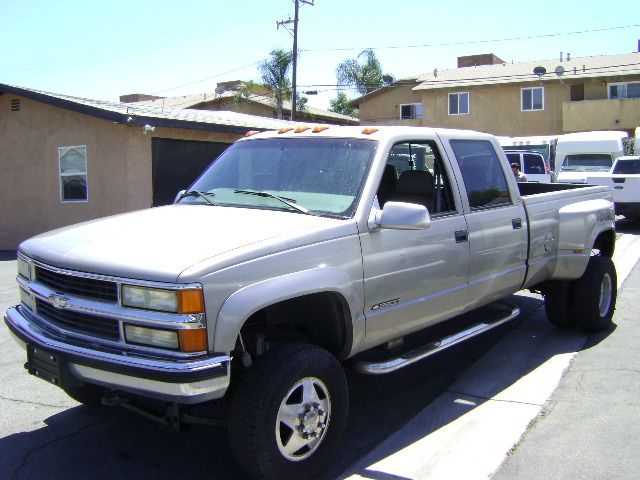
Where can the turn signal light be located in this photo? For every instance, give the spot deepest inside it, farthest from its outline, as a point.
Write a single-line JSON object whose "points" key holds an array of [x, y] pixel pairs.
{"points": [[193, 340], [190, 301]]}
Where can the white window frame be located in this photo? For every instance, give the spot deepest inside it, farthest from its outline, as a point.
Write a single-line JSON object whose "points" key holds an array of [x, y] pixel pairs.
{"points": [[416, 116], [458, 94], [61, 152], [616, 84], [532, 109]]}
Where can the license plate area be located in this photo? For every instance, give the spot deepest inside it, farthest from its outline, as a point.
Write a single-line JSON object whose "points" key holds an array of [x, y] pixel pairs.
{"points": [[49, 366]]}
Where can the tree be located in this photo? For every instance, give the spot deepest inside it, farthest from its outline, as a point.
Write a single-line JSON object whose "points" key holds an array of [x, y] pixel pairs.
{"points": [[363, 73], [275, 75], [340, 104]]}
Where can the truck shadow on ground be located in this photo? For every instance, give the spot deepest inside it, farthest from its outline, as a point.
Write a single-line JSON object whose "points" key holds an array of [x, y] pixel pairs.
{"points": [[112, 443]]}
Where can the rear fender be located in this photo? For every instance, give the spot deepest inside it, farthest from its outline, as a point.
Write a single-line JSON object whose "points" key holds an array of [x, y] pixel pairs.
{"points": [[581, 224]]}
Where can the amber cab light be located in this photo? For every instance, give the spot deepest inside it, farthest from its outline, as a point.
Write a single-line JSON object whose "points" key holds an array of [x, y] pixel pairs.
{"points": [[369, 131], [319, 129], [301, 129], [285, 129], [251, 132]]}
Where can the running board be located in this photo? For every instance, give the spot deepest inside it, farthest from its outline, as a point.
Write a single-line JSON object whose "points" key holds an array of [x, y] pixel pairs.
{"points": [[509, 312]]}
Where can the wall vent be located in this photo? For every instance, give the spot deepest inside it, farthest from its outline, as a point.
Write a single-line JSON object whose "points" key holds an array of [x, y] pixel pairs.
{"points": [[15, 104]]}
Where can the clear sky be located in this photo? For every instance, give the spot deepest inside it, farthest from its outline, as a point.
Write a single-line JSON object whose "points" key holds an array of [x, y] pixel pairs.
{"points": [[105, 49]]}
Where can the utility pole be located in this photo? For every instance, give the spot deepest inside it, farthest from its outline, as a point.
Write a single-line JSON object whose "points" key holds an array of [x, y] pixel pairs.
{"points": [[295, 50]]}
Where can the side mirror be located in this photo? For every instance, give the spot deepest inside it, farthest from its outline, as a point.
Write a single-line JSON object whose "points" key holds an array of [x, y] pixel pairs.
{"points": [[180, 193], [400, 216]]}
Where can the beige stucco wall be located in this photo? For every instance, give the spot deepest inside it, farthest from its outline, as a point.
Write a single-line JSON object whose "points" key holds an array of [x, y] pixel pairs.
{"points": [[497, 109], [118, 167], [384, 108], [601, 115]]}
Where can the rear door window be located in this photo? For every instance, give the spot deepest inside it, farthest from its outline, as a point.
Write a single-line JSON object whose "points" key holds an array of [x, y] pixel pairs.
{"points": [[482, 173]]}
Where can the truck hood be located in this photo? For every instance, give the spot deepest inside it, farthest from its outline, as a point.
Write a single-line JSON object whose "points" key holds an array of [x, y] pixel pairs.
{"points": [[160, 243]]}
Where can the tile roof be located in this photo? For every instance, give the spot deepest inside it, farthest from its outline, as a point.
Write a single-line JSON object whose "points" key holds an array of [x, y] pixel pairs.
{"points": [[141, 114], [576, 68], [188, 101]]}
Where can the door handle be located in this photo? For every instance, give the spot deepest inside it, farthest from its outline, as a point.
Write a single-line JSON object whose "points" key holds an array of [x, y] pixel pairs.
{"points": [[462, 236], [516, 223]]}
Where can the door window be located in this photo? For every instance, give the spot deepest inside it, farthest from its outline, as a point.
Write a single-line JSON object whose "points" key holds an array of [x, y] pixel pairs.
{"points": [[415, 173], [482, 173]]}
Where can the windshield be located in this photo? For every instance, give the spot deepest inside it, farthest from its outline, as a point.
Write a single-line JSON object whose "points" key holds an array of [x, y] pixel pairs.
{"points": [[627, 166], [304, 175], [587, 162]]}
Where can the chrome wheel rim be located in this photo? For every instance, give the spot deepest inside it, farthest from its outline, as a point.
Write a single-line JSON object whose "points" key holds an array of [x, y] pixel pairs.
{"points": [[303, 419], [606, 287]]}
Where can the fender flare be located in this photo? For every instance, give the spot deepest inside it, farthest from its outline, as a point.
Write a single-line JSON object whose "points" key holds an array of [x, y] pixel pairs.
{"points": [[243, 303]]}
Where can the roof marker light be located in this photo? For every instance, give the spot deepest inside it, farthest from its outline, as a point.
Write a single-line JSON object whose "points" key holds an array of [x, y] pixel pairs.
{"points": [[301, 129], [369, 131], [285, 129], [319, 129], [251, 132]]}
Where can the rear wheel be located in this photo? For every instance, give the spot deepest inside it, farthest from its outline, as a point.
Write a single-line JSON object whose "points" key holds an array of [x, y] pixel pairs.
{"points": [[595, 295], [558, 304], [289, 412]]}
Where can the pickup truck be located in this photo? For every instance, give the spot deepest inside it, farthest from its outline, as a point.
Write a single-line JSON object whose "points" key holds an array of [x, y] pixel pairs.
{"points": [[295, 251], [624, 182]]}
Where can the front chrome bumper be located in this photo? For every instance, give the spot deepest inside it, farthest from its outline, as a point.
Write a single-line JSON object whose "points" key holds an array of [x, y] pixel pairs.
{"points": [[186, 381]]}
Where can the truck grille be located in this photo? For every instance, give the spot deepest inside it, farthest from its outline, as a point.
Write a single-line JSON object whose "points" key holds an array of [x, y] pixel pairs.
{"points": [[81, 286], [79, 322]]}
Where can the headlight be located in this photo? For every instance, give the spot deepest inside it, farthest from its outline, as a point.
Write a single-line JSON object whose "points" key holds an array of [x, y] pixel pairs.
{"points": [[187, 340], [175, 301], [24, 269]]}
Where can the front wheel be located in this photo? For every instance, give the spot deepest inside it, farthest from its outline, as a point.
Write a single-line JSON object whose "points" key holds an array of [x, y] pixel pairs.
{"points": [[595, 295], [288, 414]]}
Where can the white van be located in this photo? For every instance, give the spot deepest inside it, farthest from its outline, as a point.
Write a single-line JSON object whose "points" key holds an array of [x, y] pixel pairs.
{"points": [[579, 155], [532, 164]]}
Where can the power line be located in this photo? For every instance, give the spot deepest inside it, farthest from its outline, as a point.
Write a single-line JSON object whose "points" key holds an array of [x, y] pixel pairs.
{"points": [[470, 42]]}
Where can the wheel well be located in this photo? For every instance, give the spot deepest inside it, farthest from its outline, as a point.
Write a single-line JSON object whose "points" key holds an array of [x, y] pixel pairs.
{"points": [[321, 319], [605, 243]]}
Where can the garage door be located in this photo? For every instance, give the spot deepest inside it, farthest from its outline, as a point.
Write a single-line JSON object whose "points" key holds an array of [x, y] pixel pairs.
{"points": [[177, 163]]}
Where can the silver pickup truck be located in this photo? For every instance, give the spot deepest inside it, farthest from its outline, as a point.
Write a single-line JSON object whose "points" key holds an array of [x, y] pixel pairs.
{"points": [[293, 252]]}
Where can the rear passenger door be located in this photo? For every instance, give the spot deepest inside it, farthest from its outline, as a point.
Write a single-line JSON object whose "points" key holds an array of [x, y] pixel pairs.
{"points": [[495, 218]]}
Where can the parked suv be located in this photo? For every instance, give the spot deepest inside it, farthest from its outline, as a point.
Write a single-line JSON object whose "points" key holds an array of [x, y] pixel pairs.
{"points": [[531, 164]]}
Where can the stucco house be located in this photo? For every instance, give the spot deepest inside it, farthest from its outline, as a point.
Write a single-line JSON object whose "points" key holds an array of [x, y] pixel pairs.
{"points": [[66, 159], [260, 102], [484, 93]]}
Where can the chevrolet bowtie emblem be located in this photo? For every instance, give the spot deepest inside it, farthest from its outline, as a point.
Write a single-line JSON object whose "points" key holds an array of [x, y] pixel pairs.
{"points": [[58, 301]]}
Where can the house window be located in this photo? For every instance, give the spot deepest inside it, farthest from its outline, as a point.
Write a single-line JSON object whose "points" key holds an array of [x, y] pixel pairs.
{"points": [[459, 103], [532, 99], [410, 111], [624, 90], [73, 173]]}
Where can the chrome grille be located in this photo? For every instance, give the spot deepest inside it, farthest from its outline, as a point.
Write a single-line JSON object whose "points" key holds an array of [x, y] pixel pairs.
{"points": [[79, 322], [81, 286]]}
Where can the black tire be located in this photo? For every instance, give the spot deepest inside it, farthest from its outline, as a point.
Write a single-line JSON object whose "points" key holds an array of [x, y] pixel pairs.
{"points": [[595, 295], [260, 443], [558, 304], [87, 394]]}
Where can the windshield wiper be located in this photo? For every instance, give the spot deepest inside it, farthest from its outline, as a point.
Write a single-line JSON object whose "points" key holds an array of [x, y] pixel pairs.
{"points": [[196, 193], [287, 201]]}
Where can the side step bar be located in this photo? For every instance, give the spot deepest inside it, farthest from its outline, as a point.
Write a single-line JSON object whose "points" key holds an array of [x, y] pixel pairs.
{"points": [[506, 313]]}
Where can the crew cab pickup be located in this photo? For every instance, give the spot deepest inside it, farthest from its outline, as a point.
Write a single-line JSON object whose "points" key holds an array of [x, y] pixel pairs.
{"points": [[624, 182], [293, 252]]}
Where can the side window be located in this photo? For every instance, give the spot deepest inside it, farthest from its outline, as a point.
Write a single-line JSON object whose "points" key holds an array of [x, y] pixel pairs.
{"points": [[482, 173], [410, 111], [533, 164], [73, 174], [415, 173]]}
